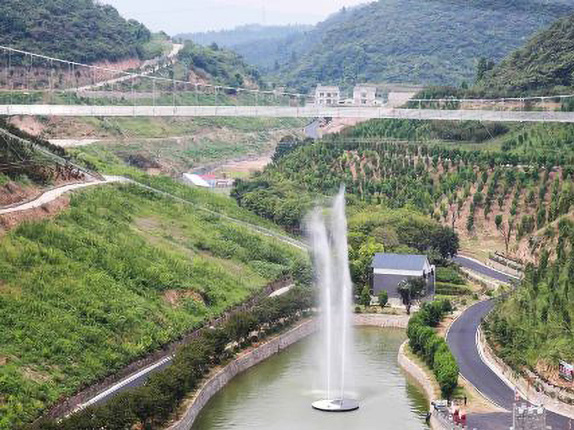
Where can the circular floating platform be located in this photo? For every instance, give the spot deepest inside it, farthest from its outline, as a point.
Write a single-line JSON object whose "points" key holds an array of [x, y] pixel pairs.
{"points": [[336, 405]]}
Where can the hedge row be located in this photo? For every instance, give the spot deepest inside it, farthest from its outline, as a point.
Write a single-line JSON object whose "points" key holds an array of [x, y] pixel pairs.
{"points": [[151, 405], [448, 289], [424, 342], [506, 262], [450, 275]]}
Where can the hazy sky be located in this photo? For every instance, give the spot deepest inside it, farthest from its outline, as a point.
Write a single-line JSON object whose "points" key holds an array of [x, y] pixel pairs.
{"points": [[178, 16]]}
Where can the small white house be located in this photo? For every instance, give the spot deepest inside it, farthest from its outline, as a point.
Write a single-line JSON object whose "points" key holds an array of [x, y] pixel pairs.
{"points": [[389, 270], [365, 95], [327, 95]]}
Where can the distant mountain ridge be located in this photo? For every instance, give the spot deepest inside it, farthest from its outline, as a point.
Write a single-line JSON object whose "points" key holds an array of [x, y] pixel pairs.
{"points": [[409, 41], [244, 34], [257, 43]]}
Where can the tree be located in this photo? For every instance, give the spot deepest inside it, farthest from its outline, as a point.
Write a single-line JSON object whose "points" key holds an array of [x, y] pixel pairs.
{"points": [[505, 230], [498, 221], [383, 298], [483, 67], [411, 290], [365, 297], [362, 258]]}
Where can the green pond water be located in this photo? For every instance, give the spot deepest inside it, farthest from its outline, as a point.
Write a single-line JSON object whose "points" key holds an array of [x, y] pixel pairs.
{"points": [[277, 394]]}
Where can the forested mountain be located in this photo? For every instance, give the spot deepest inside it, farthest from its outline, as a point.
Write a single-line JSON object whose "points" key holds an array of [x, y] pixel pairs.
{"points": [[77, 30], [544, 65], [217, 65], [244, 34], [414, 41]]}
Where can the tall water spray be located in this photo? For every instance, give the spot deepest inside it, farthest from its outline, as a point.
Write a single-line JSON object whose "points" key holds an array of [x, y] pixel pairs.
{"points": [[329, 244]]}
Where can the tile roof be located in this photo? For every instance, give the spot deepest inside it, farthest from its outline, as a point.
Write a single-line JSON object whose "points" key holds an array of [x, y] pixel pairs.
{"points": [[399, 261]]}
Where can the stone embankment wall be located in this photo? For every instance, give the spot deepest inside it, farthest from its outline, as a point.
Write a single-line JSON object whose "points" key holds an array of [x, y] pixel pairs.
{"points": [[503, 268], [437, 421], [540, 392], [488, 283], [382, 320], [240, 364]]}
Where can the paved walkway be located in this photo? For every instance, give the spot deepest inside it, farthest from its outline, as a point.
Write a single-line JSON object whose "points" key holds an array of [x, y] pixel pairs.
{"points": [[53, 194], [287, 112]]}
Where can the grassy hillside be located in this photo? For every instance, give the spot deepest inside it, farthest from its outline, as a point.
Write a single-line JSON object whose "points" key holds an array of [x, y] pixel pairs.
{"points": [[117, 275], [211, 144], [544, 65], [414, 41], [77, 30]]}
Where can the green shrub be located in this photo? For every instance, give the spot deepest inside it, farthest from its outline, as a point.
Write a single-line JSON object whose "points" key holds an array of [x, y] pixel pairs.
{"points": [[445, 369], [433, 349], [449, 275], [383, 298], [448, 289], [365, 297]]}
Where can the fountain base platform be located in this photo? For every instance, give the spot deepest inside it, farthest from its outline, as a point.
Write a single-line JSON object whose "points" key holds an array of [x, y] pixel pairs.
{"points": [[336, 405]]}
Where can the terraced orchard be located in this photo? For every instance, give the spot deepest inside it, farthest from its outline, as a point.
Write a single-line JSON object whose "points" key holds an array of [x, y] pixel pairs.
{"points": [[495, 201]]}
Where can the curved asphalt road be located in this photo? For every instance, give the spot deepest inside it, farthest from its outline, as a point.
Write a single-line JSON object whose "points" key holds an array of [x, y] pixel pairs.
{"points": [[461, 339], [480, 268]]}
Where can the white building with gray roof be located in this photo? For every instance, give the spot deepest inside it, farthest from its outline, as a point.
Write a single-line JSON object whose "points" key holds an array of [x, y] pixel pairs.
{"points": [[389, 270]]}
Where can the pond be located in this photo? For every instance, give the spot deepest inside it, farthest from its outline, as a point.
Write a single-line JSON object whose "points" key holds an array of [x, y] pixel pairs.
{"points": [[277, 394]]}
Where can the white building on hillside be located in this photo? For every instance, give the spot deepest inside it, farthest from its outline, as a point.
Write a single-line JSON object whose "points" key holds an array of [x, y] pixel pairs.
{"points": [[365, 95], [327, 95]]}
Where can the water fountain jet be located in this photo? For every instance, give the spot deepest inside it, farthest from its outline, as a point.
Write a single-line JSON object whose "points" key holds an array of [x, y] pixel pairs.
{"points": [[331, 261]]}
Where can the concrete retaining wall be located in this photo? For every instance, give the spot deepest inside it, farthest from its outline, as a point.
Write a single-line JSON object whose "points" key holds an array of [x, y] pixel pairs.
{"points": [[438, 421], [485, 281], [503, 268], [414, 370], [382, 320]]}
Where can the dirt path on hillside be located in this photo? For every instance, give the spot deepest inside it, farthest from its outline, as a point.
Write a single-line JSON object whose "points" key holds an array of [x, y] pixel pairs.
{"points": [[55, 193], [46, 205]]}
